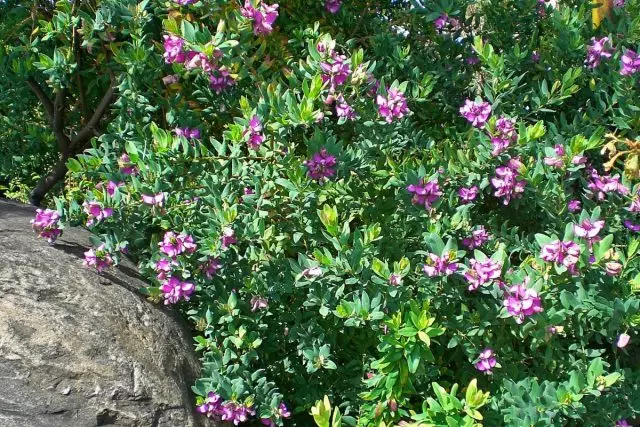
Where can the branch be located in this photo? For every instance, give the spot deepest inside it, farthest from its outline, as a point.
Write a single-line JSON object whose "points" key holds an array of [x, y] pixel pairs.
{"points": [[64, 143], [44, 99], [87, 131]]}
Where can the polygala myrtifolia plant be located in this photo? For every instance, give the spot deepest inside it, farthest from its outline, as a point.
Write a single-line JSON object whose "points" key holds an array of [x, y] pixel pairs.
{"points": [[423, 214]]}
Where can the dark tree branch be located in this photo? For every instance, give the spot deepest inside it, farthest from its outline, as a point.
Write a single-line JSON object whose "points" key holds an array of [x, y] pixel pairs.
{"points": [[85, 134], [47, 182], [42, 96], [64, 143]]}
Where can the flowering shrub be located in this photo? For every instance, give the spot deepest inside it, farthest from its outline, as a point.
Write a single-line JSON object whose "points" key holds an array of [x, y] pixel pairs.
{"points": [[371, 205]]}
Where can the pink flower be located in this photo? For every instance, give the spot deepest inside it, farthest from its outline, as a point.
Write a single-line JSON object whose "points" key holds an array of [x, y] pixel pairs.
{"points": [[163, 267], [573, 206], [425, 194], [613, 268], [478, 238], [153, 199], [635, 206], [228, 237], [598, 49], [468, 194], [395, 279], [212, 405], [578, 160], [623, 340], [393, 106], [630, 63], [211, 267], [173, 49], [98, 258], [170, 79], [46, 224], [602, 185], [476, 112], [333, 6], [173, 290], [263, 16], [254, 130], [444, 21], [587, 229], [175, 244], [486, 361], [335, 70], [126, 167], [321, 165], [188, 133], [95, 212], [312, 272], [507, 184], [439, 266], [197, 60], [220, 79], [522, 302], [482, 272], [344, 110], [504, 135], [621, 422], [562, 253], [258, 303]]}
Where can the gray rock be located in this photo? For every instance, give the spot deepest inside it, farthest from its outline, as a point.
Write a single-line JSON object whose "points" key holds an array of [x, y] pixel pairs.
{"points": [[82, 349]]}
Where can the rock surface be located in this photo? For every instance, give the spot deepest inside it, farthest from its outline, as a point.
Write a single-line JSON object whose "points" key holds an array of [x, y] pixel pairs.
{"points": [[82, 349]]}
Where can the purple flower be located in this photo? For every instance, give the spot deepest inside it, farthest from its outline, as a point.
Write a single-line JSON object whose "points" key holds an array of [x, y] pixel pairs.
{"points": [[444, 21], [482, 272], [98, 258], [343, 109], [522, 302], [185, 2], [333, 6], [228, 237], [211, 267], [478, 238], [258, 303], [393, 106], [425, 194], [623, 340], [587, 229], [476, 112], [170, 79], [507, 184], [562, 253], [175, 244], [95, 212], [46, 224], [468, 194], [173, 290], [630, 63], [579, 160], [602, 185], [598, 49], [335, 70], [235, 412], [220, 79], [486, 361], [126, 167], [212, 405], [173, 49], [573, 206], [440, 266], [281, 412], [248, 191], [254, 130], [321, 165], [635, 206], [263, 16], [622, 422], [153, 199], [163, 267], [535, 56], [112, 186], [188, 133], [504, 134], [196, 60], [631, 226], [395, 279]]}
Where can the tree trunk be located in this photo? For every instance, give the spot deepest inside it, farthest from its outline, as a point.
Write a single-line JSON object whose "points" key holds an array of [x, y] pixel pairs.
{"points": [[47, 182]]}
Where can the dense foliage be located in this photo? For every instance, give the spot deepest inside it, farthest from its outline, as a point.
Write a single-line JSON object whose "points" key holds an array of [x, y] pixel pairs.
{"points": [[427, 213]]}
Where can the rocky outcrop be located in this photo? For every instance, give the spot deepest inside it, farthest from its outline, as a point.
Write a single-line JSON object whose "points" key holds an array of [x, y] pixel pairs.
{"points": [[82, 349]]}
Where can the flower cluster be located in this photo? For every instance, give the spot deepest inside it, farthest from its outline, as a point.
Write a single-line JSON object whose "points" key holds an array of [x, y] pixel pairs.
{"points": [[476, 112], [630, 63], [263, 16], [281, 412], [333, 6], [343, 109], [482, 272], [173, 290], [95, 212], [486, 361], [188, 133], [394, 105], [321, 165], [564, 253], [522, 302], [46, 224], [468, 194], [598, 49], [440, 266], [503, 136], [254, 132], [214, 406], [600, 186], [174, 244], [228, 237], [506, 182], [99, 258], [444, 22], [335, 70], [478, 238], [211, 267], [425, 194], [588, 230]]}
